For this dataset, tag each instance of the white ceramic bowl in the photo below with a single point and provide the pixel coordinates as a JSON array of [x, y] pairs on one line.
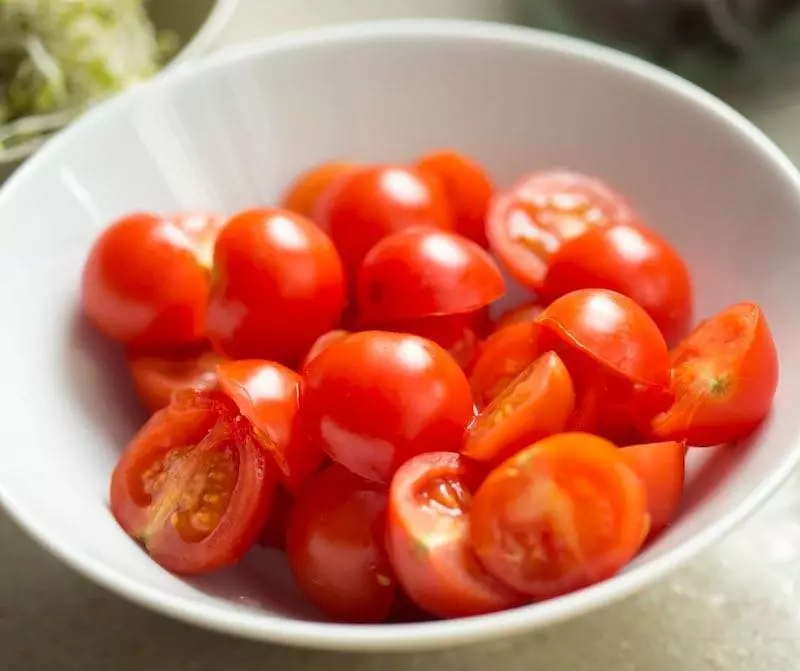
[[230, 132]]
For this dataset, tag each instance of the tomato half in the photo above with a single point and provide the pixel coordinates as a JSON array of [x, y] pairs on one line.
[[335, 543], [662, 468], [321, 344], [538, 403], [278, 285], [529, 223], [194, 485], [421, 272], [468, 189], [428, 539], [631, 260], [303, 195], [524, 313], [202, 228], [273, 535], [268, 394], [724, 377], [376, 399], [144, 286], [561, 515]]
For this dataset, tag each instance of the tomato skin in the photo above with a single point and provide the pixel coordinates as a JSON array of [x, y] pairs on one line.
[[662, 469], [524, 313], [631, 260], [724, 377], [320, 344], [528, 224], [375, 399], [278, 286], [468, 189], [376, 201], [427, 538], [268, 395], [538, 403], [198, 434], [423, 272], [563, 514], [303, 196], [335, 544], [143, 286]]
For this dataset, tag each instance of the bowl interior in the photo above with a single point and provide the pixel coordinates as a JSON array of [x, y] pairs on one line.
[[232, 132]]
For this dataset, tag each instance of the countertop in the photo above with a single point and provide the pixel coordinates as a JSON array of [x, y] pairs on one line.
[[732, 609]]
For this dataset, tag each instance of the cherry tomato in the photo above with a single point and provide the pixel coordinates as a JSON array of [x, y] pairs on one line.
[[724, 376], [561, 515], [335, 543], [661, 467], [537, 404], [428, 536], [202, 228], [321, 344], [273, 535], [193, 485], [303, 195], [529, 223], [278, 286], [143, 285], [523, 313], [376, 399], [630, 260], [468, 189], [421, 272], [377, 201]]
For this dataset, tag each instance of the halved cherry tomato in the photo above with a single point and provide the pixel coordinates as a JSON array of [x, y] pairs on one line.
[[273, 535], [427, 538], [303, 195], [631, 260], [156, 378], [202, 228], [321, 344], [144, 286], [538, 403], [422, 272], [268, 394], [529, 223], [194, 485], [661, 467], [376, 399], [724, 376], [278, 285], [376, 201], [523, 313], [561, 515], [335, 543], [468, 189]]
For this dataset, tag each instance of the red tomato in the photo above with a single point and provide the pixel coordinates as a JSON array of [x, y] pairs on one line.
[[321, 344], [303, 195], [724, 376], [273, 535], [661, 467], [468, 189], [630, 260], [528, 224], [202, 228], [377, 201], [193, 485], [561, 515], [278, 286], [523, 313], [143, 285], [375, 399], [428, 539], [537, 404], [268, 394], [335, 543], [156, 378], [422, 272]]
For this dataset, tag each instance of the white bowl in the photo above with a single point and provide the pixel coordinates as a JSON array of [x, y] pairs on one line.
[[230, 132]]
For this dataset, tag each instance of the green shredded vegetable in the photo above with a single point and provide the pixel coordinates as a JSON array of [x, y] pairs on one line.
[[59, 56]]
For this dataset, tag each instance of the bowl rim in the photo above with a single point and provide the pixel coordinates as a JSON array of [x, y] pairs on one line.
[[259, 625]]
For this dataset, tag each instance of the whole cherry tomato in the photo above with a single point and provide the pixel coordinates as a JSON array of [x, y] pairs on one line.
[[561, 515], [278, 285], [144, 286], [524, 313], [529, 223], [422, 272], [428, 539], [321, 344], [375, 399], [335, 543], [468, 189], [194, 485], [630, 260], [304, 194], [376, 201], [724, 377]]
